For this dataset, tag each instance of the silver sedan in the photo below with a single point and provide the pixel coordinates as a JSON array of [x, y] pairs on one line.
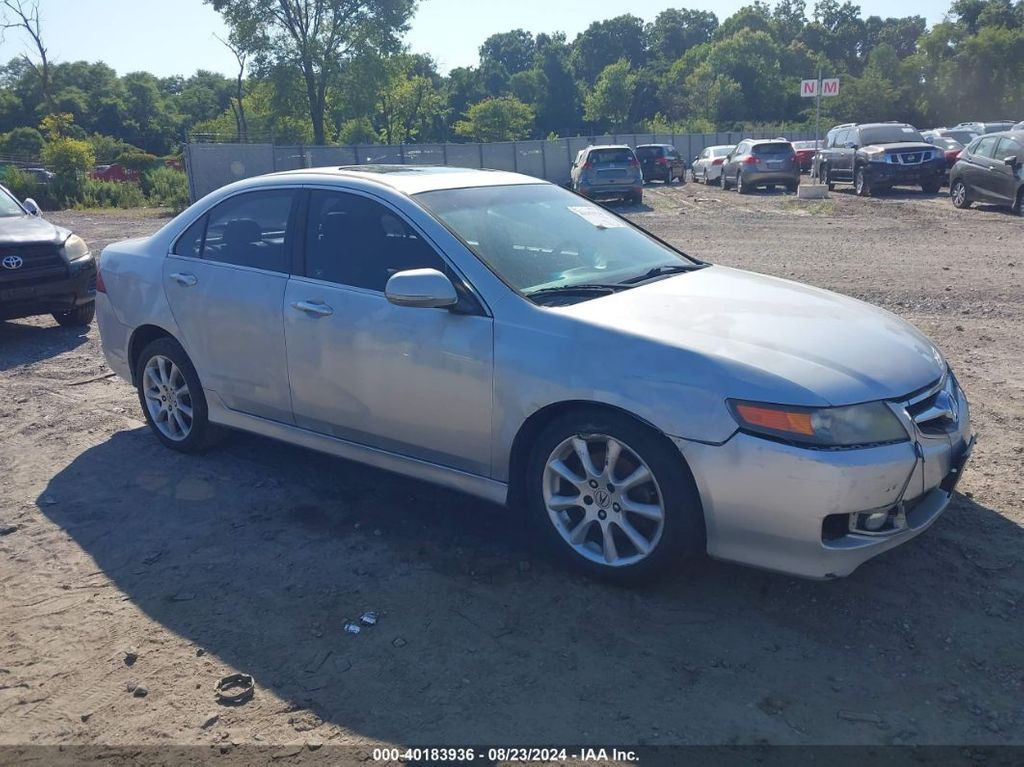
[[505, 337]]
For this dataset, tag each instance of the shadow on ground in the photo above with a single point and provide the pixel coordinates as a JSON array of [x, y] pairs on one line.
[[260, 552], [22, 343]]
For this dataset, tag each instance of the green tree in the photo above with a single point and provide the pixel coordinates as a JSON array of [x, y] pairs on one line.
[[496, 119], [605, 42], [70, 160], [23, 142], [677, 30], [411, 108], [315, 37], [610, 103], [512, 50], [560, 108]]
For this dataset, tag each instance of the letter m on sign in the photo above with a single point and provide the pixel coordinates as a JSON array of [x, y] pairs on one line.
[[830, 87], [808, 88]]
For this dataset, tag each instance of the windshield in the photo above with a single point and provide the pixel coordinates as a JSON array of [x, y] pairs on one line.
[[9, 207], [537, 236], [648, 152], [888, 134], [805, 145], [947, 143]]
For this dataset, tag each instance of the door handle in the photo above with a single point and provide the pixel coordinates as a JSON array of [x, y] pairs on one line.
[[313, 309], [185, 279]]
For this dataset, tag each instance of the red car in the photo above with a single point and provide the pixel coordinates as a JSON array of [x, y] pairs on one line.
[[114, 172], [805, 151], [950, 147]]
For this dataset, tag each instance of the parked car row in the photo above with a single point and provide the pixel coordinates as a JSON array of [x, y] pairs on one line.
[[607, 171]]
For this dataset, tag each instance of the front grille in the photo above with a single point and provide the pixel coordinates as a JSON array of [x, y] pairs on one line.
[[40, 262], [934, 409], [909, 158]]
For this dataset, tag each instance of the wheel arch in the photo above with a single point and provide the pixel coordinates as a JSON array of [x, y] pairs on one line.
[[141, 337], [522, 443]]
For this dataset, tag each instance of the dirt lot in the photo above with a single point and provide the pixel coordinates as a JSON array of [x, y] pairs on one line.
[[252, 557]]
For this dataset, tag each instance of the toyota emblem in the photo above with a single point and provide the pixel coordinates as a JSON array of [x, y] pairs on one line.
[[13, 262]]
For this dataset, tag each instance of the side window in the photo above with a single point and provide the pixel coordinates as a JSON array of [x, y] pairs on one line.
[[251, 230], [986, 147], [839, 140], [1008, 148], [190, 243], [352, 240]]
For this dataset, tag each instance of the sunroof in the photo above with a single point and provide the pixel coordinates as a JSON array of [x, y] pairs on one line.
[[404, 168]]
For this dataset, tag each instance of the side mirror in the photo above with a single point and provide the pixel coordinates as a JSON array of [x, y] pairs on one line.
[[31, 206], [421, 288], [851, 145], [1012, 161]]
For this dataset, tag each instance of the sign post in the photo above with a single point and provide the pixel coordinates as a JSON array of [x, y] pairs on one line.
[[816, 89]]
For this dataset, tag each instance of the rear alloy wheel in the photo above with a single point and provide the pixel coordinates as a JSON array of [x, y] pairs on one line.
[[861, 185], [958, 194], [740, 186], [172, 398], [609, 497], [79, 317]]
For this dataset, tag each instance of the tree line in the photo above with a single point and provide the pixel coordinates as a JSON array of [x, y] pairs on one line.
[[337, 71]]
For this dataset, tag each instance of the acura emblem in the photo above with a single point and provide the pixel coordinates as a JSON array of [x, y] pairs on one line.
[[13, 262]]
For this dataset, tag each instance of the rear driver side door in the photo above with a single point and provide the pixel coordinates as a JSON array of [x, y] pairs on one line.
[[225, 282]]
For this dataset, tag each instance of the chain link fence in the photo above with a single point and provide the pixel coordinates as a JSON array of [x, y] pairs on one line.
[[211, 166]]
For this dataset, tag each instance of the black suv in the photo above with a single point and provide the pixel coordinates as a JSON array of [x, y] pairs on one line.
[[661, 162], [44, 269], [877, 156]]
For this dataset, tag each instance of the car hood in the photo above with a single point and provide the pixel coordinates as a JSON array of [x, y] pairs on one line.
[[811, 346], [900, 146], [22, 230]]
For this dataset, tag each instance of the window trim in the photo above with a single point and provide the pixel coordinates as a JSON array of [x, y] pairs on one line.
[[290, 258], [478, 306]]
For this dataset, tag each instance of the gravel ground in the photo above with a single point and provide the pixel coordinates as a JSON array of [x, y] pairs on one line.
[[252, 557]]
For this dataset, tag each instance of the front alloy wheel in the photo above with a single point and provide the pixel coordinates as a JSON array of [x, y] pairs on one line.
[[613, 497], [959, 195], [861, 184], [603, 500]]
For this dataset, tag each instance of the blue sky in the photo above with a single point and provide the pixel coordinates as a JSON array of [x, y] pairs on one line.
[[176, 36]]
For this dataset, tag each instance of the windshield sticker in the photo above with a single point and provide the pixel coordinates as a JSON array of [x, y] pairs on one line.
[[602, 219], [907, 130]]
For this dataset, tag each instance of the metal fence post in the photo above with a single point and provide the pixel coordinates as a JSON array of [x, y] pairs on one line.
[[481, 148]]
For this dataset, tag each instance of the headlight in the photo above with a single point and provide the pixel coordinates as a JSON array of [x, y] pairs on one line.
[[875, 155], [867, 424], [75, 248]]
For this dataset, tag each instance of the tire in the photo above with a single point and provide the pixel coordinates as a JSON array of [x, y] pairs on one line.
[[723, 181], [740, 186], [827, 179], [79, 317], [770, 188], [932, 188], [792, 188], [1018, 204], [959, 196], [861, 184], [200, 433], [636, 199], [674, 536]]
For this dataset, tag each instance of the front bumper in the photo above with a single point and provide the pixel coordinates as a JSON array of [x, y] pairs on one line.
[[893, 174], [772, 505], [30, 297]]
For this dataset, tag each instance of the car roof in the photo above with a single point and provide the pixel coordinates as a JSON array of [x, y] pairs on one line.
[[768, 140], [411, 179], [887, 124], [610, 146], [644, 146]]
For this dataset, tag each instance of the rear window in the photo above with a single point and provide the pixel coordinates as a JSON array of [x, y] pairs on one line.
[[888, 134], [646, 152], [722, 151], [601, 156], [776, 147]]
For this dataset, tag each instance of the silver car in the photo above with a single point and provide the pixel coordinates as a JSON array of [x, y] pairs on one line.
[[707, 166], [500, 335]]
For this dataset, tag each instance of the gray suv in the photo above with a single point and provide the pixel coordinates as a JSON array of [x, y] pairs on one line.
[[600, 172], [767, 163]]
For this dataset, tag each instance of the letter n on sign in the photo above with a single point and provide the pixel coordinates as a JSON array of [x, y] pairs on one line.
[[830, 87], [809, 88]]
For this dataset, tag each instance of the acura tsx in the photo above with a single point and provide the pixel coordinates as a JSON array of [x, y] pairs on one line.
[[503, 336]]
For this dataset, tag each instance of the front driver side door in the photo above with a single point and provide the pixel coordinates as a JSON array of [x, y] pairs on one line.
[[411, 381]]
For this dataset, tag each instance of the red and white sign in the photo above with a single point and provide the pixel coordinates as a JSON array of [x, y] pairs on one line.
[[809, 88], [830, 87]]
